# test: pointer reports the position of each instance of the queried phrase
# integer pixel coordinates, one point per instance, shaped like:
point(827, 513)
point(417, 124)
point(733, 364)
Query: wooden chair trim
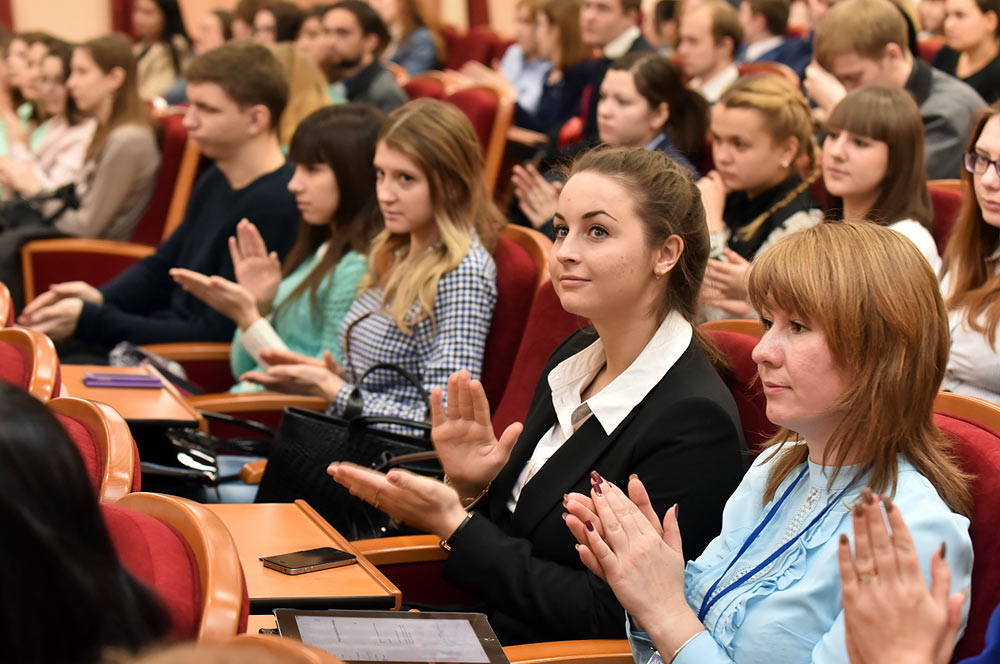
point(402, 549)
point(42, 357)
point(949, 184)
point(186, 174)
point(74, 245)
point(537, 244)
point(253, 472)
point(214, 548)
point(971, 409)
point(287, 650)
point(749, 327)
point(224, 402)
point(502, 121)
point(527, 137)
point(5, 304)
point(193, 351)
point(447, 81)
point(114, 438)
point(591, 651)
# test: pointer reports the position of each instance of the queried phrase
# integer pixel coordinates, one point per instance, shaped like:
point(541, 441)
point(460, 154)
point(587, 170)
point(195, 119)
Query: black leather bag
point(307, 442)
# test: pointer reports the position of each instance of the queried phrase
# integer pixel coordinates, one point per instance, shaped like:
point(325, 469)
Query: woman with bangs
point(295, 310)
point(426, 303)
point(971, 269)
point(867, 131)
point(853, 354)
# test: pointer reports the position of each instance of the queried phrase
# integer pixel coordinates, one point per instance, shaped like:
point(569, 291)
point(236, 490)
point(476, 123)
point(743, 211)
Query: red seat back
point(479, 44)
point(173, 139)
point(745, 386)
point(28, 360)
point(547, 325)
point(947, 204)
point(517, 276)
point(15, 368)
point(480, 106)
point(978, 450)
point(424, 86)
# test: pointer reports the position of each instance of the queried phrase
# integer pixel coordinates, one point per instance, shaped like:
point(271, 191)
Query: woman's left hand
point(725, 284)
point(228, 298)
point(418, 501)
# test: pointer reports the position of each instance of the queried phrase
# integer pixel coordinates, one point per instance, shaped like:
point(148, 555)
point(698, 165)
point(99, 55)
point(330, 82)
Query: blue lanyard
point(708, 601)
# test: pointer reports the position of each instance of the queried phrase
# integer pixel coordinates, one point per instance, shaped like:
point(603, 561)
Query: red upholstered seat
point(28, 359)
point(978, 450)
point(160, 557)
point(947, 204)
point(480, 106)
point(425, 86)
point(928, 48)
point(173, 140)
point(745, 386)
point(547, 326)
point(88, 447)
point(14, 366)
point(479, 44)
point(517, 276)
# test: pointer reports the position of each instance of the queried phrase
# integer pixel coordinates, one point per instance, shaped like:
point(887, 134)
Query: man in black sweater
point(237, 94)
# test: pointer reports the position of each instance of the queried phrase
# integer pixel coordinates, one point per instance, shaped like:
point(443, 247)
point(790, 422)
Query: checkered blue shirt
point(463, 311)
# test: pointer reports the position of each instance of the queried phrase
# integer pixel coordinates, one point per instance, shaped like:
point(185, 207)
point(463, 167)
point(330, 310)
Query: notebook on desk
point(364, 637)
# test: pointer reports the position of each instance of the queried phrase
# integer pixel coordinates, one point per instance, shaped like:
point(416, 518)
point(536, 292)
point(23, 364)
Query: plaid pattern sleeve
point(456, 339)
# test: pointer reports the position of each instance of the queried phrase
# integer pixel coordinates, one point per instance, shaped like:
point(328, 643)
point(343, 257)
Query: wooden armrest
point(212, 351)
point(225, 402)
point(591, 651)
point(402, 549)
point(532, 139)
point(79, 245)
point(251, 472)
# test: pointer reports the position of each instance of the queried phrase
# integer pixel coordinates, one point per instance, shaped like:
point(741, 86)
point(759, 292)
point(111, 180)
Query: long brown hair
point(415, 14)
point(974, 280)
point(343, 138)
point(565, 15)
point(876, 299)
point(109, 52)
point(889, 115)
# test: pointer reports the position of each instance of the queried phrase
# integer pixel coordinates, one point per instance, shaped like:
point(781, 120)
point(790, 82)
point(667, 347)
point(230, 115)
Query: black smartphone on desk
point(310, 560)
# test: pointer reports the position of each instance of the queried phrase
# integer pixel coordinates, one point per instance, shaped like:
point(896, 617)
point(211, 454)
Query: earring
point(657, 274)
point(784, 164)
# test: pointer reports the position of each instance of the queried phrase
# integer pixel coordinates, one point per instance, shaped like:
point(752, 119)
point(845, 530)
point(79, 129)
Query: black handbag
point(307, 442)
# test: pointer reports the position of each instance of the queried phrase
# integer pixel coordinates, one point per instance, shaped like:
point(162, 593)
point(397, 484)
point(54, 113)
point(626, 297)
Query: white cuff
point(261, 336)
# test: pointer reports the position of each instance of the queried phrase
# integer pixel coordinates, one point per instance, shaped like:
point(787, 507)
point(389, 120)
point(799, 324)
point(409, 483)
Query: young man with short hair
point(355, 38)
point(237, 93)
point(865, 42)
point(764, 23)
point(710, 35)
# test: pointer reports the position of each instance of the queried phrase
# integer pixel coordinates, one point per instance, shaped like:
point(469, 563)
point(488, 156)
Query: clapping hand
point(310, 376)
point(256, 270)
point(228, 298)
point(725, 284)
point(713, 198)
point(536, 197)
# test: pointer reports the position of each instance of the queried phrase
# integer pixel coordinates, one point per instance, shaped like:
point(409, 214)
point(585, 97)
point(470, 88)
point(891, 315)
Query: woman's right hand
point(536, 197)
point(470, 454)
point(713, 198)
point(256, 270)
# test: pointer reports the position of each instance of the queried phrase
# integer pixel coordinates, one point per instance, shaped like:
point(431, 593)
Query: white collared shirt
point(613, 403)
point(757, 49)
point(620, 45)
point(713, 88)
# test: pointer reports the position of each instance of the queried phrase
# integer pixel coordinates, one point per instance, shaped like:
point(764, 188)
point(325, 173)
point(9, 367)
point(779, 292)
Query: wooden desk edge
point(175, 393)
point(343, 544)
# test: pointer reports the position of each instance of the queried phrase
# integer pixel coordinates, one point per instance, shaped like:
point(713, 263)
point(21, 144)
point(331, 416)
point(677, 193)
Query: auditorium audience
point(355, 38)
point(311, 40)
point(870, 129)
point(761, 132)
point(613, 27)
point(710, 37)
point(853, 353)
point(972, 53)
point(57, 551)
point(426, 304)
point(932, 13)
point(864, 42)
point(214, 30)
point(162, 45)
point(415, 40)
point(237, 94)
point(301, 304)
point(635, 393)
point(243, 16)
point(970, 269)
point(764, 23)
point(307, 89)
point(522, 64)
point(277, 22)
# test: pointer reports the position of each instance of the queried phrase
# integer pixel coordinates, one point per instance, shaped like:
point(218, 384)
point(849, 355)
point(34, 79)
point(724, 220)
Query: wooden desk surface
point(268, 529)
point(136, 405)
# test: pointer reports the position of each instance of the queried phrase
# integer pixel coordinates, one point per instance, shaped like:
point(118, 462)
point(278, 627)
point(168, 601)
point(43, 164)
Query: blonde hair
point(307, 90)
point(440, 141)
point(877, 302)
point(786, 114)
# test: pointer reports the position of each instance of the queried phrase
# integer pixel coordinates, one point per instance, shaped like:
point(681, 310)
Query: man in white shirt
point(710, 35)
point(764, 23)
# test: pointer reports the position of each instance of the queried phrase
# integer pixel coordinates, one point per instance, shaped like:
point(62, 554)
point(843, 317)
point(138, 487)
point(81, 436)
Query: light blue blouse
point(804, 621)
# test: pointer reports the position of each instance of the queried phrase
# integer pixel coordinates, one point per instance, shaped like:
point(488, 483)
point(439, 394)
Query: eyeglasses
point(978, 164)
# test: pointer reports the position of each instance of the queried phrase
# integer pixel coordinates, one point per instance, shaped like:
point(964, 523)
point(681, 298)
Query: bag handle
point(356, 402)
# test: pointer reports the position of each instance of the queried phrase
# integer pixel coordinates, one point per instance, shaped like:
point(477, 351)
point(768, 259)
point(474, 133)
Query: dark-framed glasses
point(977, 163)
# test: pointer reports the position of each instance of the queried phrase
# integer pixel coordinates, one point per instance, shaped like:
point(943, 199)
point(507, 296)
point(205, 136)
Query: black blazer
point(685, 442)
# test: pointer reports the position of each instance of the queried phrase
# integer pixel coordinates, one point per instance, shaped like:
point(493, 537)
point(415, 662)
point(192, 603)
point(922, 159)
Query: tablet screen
point(393, 639)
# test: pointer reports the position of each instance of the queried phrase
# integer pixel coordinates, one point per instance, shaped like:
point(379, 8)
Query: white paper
point(393, 639)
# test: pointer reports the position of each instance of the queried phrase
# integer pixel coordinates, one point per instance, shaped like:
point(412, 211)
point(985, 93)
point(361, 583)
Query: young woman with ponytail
point(762, 131)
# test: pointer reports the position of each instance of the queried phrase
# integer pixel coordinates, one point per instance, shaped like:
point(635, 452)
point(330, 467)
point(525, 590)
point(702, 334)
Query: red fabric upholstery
point(947, 204)
point(57, 267)
point(158, 555)
point(547, 326)
point(424, 583)
point(978, 452)
point(745, 386)
point(88, 447)
point(928, 48)
point(477, 44)
point(14, 367)
point(424, 86)
point(499, 48)
point(173, 139)
point(478, 12)
point(516, 279)
point(480, 106)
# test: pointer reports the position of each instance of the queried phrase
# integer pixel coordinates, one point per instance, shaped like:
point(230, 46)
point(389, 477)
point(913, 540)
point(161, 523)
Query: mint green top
point(301, 328)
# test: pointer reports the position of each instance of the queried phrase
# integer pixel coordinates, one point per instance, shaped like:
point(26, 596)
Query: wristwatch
point(445, 543)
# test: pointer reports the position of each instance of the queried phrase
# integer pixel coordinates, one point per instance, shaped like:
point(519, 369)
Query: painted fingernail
point(868, 496)
point(595, 477)
point(633, 476)
point(677, 511)
point(888, 504)
point(597, 489)
point(859, 510)
point(944, 548)
point(564, 516)
point(590, 525)
point(843, 538)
